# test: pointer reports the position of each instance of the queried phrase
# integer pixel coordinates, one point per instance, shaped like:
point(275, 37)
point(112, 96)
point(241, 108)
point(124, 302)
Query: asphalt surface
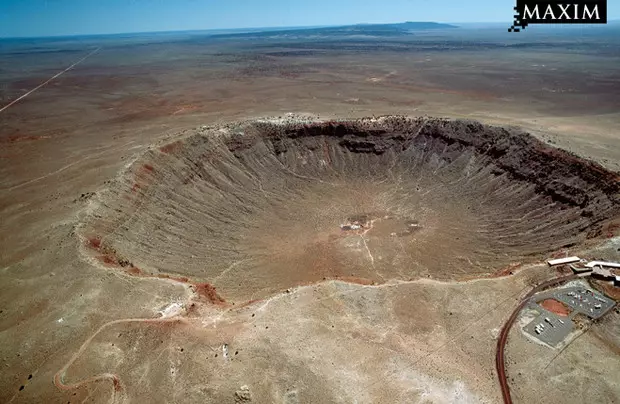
point(503, 337)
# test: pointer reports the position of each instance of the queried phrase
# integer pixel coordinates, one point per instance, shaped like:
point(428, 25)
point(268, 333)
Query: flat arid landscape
point(326, 215)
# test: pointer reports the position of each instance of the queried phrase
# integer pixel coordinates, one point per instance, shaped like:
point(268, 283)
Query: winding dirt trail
point(116, 382)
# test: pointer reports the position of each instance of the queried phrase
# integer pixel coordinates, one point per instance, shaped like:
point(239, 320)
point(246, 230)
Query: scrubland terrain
point(149, 253)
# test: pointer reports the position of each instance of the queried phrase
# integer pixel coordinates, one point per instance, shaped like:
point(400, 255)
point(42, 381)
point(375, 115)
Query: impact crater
point(256, 207)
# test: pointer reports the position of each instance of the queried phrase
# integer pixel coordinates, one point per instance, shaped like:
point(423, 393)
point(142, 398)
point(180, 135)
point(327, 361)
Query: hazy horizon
point(52, 18)
point(476, 24)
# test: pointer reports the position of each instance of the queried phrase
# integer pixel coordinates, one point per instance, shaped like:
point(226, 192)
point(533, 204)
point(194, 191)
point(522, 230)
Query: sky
point(35, 18)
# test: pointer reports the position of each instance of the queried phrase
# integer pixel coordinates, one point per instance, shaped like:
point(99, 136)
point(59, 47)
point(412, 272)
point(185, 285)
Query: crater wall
point(258, 207)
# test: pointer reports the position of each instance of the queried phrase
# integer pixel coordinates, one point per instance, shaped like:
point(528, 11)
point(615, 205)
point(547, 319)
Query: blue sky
point(73, 17)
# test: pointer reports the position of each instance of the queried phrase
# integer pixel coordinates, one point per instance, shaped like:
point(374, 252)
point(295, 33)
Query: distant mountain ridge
point(396, 29)
point(412, 25)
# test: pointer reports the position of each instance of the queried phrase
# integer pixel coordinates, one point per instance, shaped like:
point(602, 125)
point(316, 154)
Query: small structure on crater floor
point(356, 222)
point(173, 309)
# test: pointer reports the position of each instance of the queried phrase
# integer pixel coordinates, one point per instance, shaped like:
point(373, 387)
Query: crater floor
point(257, 207)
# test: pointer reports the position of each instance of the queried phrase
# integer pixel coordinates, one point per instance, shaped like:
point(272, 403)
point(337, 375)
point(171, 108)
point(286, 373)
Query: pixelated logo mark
point(558, 12)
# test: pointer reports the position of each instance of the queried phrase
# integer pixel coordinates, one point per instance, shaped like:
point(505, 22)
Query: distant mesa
point(398, 29)
point(412, 25)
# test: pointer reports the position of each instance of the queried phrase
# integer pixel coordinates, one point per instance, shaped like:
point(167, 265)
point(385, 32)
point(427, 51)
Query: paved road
point(503, 336)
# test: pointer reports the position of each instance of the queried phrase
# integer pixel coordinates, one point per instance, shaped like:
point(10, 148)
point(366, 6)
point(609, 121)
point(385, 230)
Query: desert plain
point(293, 218)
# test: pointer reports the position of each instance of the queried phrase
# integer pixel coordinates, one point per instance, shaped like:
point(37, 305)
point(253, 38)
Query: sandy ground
point(417, 341)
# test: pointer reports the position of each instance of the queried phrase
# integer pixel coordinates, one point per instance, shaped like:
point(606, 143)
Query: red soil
point(21, 138)
point(94, 242)
point(117, 384)
point(606, 288)
point(250, 302)
point(136, 187)
point(205, 291)
point(556, 307)
point(134, 271)
point(208, 292)
point(508, 270)
point(148, 167)
point(108, 259)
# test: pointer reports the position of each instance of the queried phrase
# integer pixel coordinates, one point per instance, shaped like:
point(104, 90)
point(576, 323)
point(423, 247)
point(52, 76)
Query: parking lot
point(552, 328)
point(584, 300)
